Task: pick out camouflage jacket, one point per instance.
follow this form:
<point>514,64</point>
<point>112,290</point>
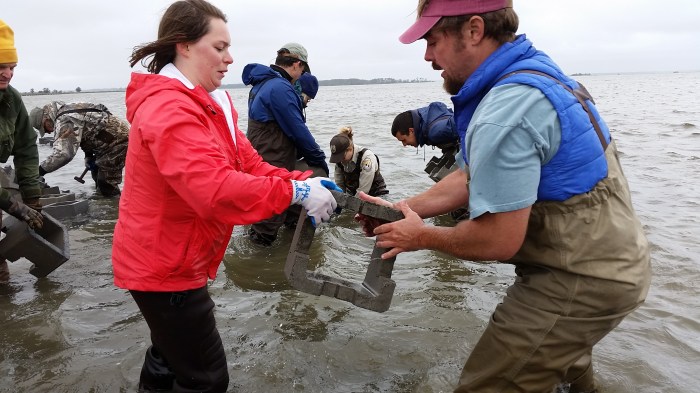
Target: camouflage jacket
<point>90,127</point>
<point>18,139</point>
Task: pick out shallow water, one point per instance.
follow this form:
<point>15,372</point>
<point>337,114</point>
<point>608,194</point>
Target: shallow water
<point>75,332</point>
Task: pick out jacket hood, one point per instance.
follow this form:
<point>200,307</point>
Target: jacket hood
<point>255,73</point>
<point>418,127</point>
<point>143,86</point>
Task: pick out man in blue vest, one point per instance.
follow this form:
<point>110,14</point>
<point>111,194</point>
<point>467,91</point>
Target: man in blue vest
<point>545,191</point>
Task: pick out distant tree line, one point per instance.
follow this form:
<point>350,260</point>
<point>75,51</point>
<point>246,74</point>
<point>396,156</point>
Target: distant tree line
<point>78,89</point>
<point>349,81</point>
<point>376,81</point>
<point>329,82</point>
<point>46,90</point>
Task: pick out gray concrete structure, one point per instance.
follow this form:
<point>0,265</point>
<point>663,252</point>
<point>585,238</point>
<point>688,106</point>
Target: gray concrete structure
<point>377,289</point>
<point>47,248</point>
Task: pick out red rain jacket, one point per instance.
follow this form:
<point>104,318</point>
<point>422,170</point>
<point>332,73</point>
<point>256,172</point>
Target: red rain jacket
<point>186,184</point>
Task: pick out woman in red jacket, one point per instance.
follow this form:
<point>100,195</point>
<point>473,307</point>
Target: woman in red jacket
<point>190,175</point>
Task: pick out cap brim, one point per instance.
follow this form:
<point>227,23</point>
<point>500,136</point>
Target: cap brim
<point>337,157</point>
<point>419,29</point>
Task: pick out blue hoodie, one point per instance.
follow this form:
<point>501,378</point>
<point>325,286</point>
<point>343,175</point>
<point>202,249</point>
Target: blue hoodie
<point>273,98</point>
<point>434,125</point>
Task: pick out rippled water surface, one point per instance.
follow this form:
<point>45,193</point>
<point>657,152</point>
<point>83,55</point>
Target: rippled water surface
<point>75,332</point>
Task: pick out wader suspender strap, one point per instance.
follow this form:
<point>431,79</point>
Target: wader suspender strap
<point>581,95</point>
<point>361,154</point>
<point>82,110</point>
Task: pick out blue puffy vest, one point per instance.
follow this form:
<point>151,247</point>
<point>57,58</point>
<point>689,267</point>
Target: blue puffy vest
<point>579,163</point>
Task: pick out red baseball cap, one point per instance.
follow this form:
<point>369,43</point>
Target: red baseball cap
<point>436,9</point>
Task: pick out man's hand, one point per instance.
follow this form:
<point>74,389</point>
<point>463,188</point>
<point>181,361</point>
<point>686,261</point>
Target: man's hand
<point>314,196</point>
<point>25,213</point>
<point>400,236</point>
<point>368,224</point>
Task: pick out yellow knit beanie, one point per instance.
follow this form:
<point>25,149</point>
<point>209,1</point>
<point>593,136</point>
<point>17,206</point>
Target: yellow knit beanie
<point>8,53</point>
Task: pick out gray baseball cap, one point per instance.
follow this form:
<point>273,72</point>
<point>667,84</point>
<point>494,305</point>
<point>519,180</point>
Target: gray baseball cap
<point>296,50</point>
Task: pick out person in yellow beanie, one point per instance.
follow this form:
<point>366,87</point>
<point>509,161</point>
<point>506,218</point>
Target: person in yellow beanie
<point>18,139</point>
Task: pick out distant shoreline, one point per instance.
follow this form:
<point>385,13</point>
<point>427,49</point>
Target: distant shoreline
<point>346,82</point>
<point>329,82</point>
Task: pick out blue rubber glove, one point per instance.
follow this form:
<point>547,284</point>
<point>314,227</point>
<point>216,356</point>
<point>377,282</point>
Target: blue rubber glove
<point>330,184</point>
<point>313,195</point>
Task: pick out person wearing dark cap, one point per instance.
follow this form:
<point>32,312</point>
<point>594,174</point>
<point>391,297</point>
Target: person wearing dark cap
<point>18,140</point>
<point>546,193</point>
<point>308,84</point>
<point>307,88</point>
<point>276,124</point>
<point>356,168</point>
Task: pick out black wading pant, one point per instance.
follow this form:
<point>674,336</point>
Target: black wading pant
<point>187,354</point>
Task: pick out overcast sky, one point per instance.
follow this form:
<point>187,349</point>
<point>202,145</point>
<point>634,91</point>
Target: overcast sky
<point>79,43</point>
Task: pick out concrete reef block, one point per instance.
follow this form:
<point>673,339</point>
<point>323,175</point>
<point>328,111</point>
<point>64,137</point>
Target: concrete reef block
<point>67,208</point>
<point>46,140</point>
<point>438,168</point>
<point>53,198</point>
<point>50,191</point>
<point>47,248</point>
<point>377,289</point>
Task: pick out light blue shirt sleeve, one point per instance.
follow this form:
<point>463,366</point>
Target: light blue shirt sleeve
<point>514,131</point>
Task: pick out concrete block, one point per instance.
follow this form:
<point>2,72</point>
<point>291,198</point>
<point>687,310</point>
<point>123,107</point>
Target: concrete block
<point>49,191</point>
<point>438,168</point>
<point>68,208</point>
<point>53,198</point>
<point>47,248</point>
<point>377,289</point>
<point>46,140</point>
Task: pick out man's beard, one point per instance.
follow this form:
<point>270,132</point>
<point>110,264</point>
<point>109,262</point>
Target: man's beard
<point>452,86</point>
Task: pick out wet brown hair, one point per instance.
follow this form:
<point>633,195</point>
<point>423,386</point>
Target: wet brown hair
<point>500,25</point>
<point>183,21</point>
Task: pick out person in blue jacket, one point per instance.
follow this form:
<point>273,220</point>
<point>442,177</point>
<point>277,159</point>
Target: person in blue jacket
<point>432,125</point>
<point>276,124</point>
<point>307,88</point>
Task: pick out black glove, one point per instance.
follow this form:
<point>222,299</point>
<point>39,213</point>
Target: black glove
<point>91,164</point>
<point>25,213</point>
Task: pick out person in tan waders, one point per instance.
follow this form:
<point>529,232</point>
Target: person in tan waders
<point>545,191</point>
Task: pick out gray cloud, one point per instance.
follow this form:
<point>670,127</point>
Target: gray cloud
<point>63,45</point>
